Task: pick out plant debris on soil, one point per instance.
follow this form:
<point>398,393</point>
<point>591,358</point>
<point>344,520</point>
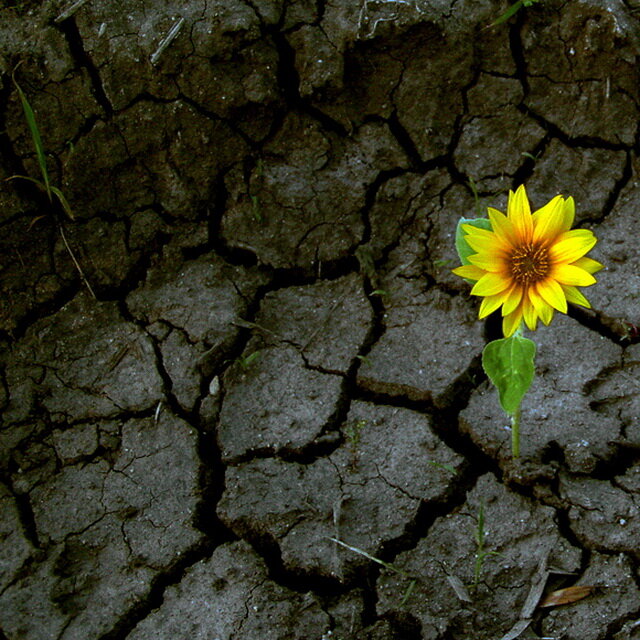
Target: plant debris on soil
<point>271,421</point>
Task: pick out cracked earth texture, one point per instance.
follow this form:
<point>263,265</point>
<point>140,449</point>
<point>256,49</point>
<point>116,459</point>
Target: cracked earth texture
<point>278,356</point>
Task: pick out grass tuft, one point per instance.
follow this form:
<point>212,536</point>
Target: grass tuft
<point>45,184</point>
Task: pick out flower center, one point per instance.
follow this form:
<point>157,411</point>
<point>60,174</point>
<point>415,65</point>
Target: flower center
<point>529,264</point>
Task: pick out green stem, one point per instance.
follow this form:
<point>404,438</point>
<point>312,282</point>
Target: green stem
<point>515,434</point>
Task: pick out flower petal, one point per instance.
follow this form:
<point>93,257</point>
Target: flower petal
<point>551,292</point>
<point>484,243</point>
<point>472,230</point>
<point>490,284</point>
<point>489,262</point>
<point>592,266</point>
<point>574,296</point>
<point>548,221</point>
<point>531,265</point>
<point>512,299</point>
<point>529,313</point>
<point>489,305</point>
<point>502,227</point>
<point>572,245</point>
<point>547,314</point>
<point>519,213</point>
<point>544,311</point>
<point>511,322</point>
<point>469,271</point>
<point>569,213</point>
<point>572,275</point>
<point>537,301</point>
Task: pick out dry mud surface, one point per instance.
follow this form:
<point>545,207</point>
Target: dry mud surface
<point>277,355</point>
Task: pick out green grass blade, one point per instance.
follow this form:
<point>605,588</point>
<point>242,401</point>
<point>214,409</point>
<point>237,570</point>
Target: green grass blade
<point>446,467</point>
<point>368,556</point>
<point>18,177</point>
<point>63,201</point>
<point>408,593</point>
<point>35,135</point>
<point>508,13</point>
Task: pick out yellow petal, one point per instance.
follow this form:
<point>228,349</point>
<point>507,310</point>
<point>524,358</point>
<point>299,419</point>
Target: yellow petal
<point>491,244</point>
<point>569,213</point>
<point>544,311</point>
<point>572,275</point>
<point>489,305</point>
<point>575,296</point>
<point>512,300</point>
<point>488,262</point>
<point>529,313</point>
<point>502,227</point>
<point>551,292</point>
<point>519,213</point>
<point>478,232</point>
<point>572,245</point>
<point>469,271</point>
<point>537,301</point>
<point>511,322</point>
<point>592,266</point>
<point>546,314</point>
<point>490,284</point>
<point>549,221</point>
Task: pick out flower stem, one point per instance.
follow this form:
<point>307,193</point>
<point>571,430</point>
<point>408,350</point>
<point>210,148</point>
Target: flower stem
<point>515,433</point>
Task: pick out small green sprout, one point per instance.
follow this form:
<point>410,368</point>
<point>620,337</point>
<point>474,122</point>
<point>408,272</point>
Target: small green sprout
<point>439,264</point>
<point>364,255</point>
<point>512,10</point>
<point>446,467</point>
<point>255,207</point>
<point>526,154</point>
<point>353,430</point>
<point>481,553</point>
<point>476,197</point>
<point>246,361</point>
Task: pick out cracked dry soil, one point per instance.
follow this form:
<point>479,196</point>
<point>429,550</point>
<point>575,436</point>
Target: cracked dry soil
<point>265,195</point>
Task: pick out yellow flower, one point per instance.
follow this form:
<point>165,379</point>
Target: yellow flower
<point>529,264</point>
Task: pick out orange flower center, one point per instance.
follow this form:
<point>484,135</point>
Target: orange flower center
<point>529,264</point>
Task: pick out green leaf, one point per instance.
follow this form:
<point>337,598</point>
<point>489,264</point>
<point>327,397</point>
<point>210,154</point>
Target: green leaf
<point>509,363</point>
<point>464,250</point>
<point>35,136</point>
